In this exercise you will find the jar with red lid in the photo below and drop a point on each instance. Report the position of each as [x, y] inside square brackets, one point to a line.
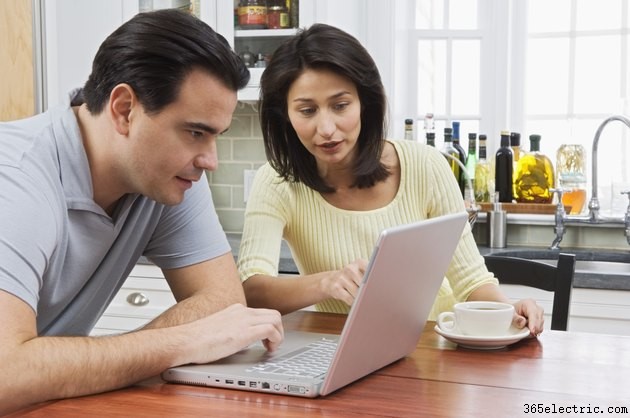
[252, 14]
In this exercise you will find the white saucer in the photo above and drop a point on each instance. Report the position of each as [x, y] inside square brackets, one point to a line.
[484, 343]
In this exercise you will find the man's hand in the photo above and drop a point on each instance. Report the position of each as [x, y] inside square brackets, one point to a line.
[229, 331]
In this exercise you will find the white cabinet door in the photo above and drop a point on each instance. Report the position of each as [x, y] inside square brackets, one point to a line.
[592, 310]
[74, 29]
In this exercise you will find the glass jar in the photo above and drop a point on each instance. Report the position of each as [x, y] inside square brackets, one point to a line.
[277, 14]
[252, 14]
[571, 174]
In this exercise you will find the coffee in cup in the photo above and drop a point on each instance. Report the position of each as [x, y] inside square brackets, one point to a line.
[478, 318]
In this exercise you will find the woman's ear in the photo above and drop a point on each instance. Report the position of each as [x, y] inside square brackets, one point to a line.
[122, 100]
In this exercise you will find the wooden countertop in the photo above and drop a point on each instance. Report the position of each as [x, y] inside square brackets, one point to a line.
[559, 369]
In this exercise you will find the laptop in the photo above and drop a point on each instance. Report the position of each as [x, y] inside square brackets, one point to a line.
[393, 302]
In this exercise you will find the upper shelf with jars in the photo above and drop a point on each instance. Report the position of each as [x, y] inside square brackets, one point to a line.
[254, 28]
[260, 26]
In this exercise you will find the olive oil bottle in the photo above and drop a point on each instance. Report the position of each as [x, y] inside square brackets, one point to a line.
[534, 176]
[482, 174]
[450, 152]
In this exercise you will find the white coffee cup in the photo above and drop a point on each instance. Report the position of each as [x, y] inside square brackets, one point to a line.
[478, 318]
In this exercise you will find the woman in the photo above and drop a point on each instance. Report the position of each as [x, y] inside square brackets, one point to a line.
[333, 183]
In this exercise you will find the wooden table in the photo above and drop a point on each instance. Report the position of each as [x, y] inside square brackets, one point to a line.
[559, 369]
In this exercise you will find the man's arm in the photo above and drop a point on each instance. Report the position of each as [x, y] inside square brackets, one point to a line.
[45, 368]
[201, 289]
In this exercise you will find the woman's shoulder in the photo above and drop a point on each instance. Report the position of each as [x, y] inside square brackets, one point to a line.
[267, 180]
[413, 152]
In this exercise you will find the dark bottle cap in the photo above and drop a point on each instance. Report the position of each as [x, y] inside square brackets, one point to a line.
[408, 121]
[455, 130]
[515, 139]
[534, 142]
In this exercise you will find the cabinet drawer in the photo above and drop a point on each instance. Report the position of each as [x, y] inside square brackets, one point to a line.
[114, 324]
[141, 300]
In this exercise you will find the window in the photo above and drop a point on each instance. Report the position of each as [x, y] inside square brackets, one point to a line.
[555, 68]
[578, 74]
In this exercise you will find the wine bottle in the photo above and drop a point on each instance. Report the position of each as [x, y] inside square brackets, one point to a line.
[450, 152]
[482, 173]
[534, 176]
[471, 162]
[409, 129]
[515, 145]
[503, 169]
[461, 155]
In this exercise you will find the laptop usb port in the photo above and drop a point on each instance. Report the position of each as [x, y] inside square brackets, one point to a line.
[253, 384]
[241, 383]
[229, 381]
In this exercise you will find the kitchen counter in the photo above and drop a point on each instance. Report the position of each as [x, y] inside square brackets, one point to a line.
[595, 269]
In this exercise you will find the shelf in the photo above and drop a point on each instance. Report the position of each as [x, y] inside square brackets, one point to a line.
[264, 33]
[532, 208]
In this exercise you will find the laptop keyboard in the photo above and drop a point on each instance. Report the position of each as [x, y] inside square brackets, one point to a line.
[310, 361]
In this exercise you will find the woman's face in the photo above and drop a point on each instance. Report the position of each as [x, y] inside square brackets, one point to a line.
[325, 111]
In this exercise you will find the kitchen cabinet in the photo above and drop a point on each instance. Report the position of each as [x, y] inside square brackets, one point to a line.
[19, 59]
[256, 41]
[69, 57]
[144, 295]
[599, 311]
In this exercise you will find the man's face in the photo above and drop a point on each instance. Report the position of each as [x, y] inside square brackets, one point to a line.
[171, 149]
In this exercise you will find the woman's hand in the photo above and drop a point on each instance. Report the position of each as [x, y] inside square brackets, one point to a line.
[526, 311]
[343, 284]
[529, 313]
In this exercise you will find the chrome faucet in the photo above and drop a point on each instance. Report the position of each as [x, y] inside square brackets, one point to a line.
[593, 216]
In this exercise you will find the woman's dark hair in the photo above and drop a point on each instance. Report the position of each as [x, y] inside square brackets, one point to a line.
[322, 47]
[153, 53]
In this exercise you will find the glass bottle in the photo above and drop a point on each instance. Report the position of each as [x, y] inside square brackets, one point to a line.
[482, 173]
[294, 13]
[471, 160]
[571, 173]
[409, 129]
[534, 176]
[461, 155]
[247, 57]
[451, 153]
[429, 129]
[429, 124]
[277, 14]
[503, 169]
[515, 145]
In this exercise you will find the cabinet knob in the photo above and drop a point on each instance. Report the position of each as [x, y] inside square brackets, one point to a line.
[137, 299]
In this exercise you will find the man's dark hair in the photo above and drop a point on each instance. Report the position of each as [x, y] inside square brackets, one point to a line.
[322, 47]
[153, 53]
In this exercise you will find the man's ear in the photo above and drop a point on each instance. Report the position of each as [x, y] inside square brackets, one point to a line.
[121, 102]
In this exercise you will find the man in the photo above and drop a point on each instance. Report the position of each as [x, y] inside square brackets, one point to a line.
[88, 188]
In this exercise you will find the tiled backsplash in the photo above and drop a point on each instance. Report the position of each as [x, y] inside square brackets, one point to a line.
[239, 149]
